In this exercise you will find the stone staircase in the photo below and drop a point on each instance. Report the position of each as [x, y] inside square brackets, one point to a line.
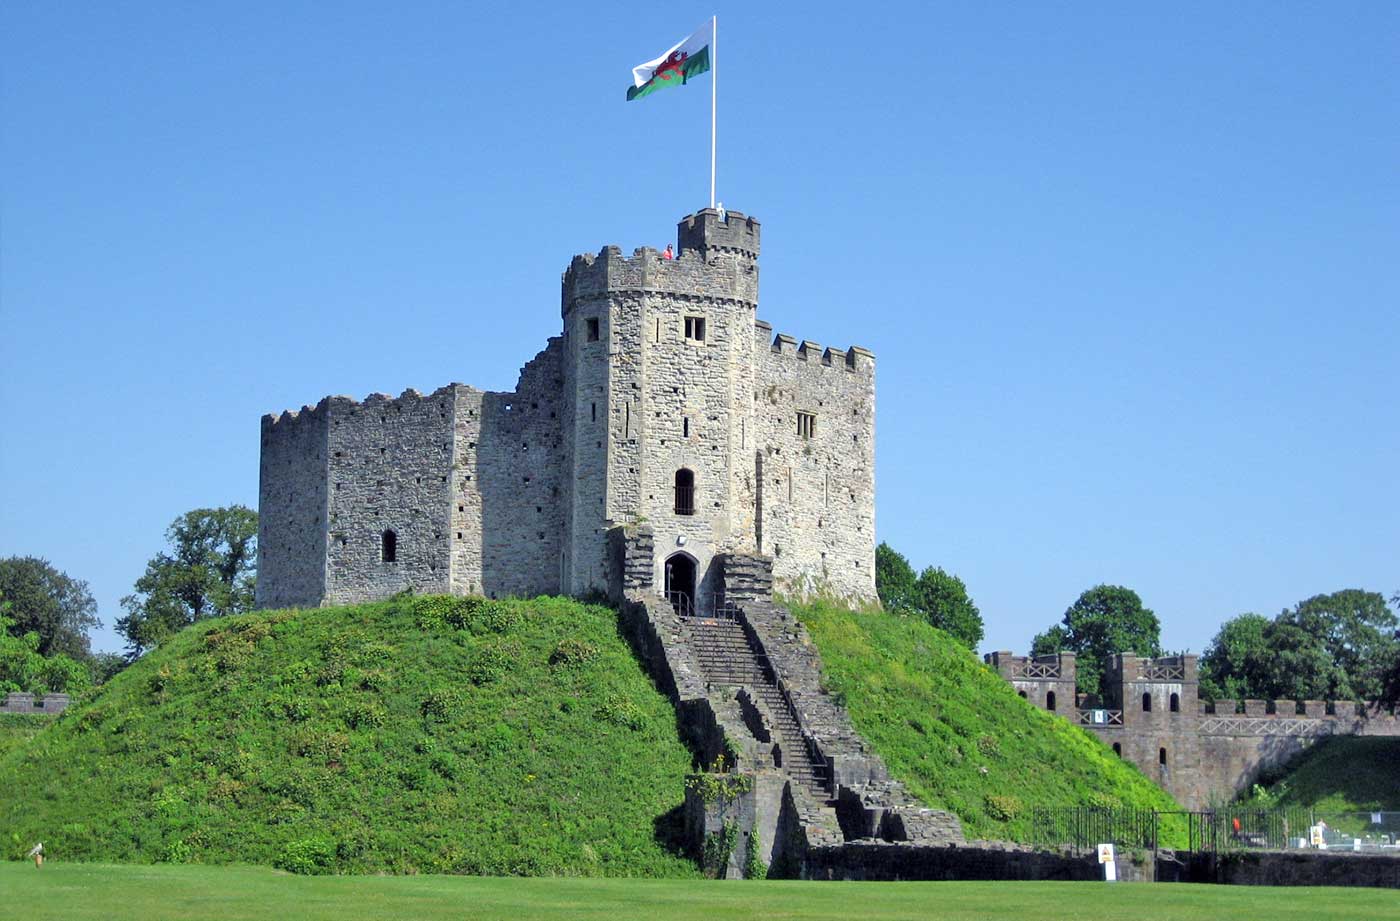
[727, 658]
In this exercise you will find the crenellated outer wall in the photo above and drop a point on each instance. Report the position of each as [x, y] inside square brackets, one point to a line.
[1201, 753]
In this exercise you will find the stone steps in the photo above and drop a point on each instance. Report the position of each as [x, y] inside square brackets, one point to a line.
[723, 651]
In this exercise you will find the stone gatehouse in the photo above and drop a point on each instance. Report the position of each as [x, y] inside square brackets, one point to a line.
[1151, 714]
[664, 400]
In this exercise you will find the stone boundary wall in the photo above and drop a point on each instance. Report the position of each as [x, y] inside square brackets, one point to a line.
[977, 860]
[29, 704]
[1281, 868]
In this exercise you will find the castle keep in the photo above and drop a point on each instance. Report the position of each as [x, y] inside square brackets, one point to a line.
[665, 401]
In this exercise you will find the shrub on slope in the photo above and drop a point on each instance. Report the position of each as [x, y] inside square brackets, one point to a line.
[414, 735]
[956, 733]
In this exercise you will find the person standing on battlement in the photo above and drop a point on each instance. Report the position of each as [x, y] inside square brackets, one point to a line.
[669, 253]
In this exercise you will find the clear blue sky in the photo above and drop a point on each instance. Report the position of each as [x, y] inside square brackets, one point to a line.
[1132, 276]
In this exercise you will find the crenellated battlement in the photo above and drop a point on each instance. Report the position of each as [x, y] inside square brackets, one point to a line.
[854, 358]
[715, 260]
[707, 232]
[1199, 751]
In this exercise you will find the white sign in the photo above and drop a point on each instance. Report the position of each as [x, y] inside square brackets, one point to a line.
[1100, 717]
[1110, 868]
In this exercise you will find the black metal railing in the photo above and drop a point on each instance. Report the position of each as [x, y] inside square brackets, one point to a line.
[685, 500]
[682, 602]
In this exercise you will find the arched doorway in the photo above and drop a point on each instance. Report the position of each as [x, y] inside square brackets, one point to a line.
[680, 583]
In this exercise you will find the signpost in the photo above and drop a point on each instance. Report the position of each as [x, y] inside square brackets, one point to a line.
[1110, 868]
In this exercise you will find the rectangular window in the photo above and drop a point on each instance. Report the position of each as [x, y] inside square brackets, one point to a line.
[806, 425]
[695, 328]
[592, 329]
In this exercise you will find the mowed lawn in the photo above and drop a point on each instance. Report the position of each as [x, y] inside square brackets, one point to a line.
[73, 892]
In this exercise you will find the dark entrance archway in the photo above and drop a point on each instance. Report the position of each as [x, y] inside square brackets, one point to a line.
[680, 583]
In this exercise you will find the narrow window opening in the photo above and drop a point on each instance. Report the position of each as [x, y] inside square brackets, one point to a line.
[1162, 757]
[592, 329]
[685, 492]
[594, 410]
[685, 428]
[695, 328]
[1118, 749]
[1147, 703]
[389, 547]
[806, 425]
[1176, 703]
[1050, 700]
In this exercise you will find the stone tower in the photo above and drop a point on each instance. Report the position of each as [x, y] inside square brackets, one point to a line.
[664, 401]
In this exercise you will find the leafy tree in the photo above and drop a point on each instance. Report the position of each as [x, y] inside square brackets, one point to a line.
[209, 571]
[1357, 630]
[24, 668]
[50, 604]
[1340, 646]
[1390, 684]
[1105, 620]
[1236, 661]
[943, 599]
[939, 597]
[895, 581]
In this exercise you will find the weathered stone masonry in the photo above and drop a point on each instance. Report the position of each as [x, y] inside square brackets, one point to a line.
[1199, 752]
[662, 371]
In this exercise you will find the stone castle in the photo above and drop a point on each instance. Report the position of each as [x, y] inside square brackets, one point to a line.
[668, 450]
[664, 401]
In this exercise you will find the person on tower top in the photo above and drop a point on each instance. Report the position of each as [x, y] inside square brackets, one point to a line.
[668, 254]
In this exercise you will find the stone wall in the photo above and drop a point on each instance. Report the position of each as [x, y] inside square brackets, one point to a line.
[1282, 868]
[292, 509]
[977, 860]
[28, 704]
[816, 494]
[1201, 753]
[390, 464]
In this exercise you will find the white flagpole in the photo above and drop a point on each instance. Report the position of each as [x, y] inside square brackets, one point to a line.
[714, 80]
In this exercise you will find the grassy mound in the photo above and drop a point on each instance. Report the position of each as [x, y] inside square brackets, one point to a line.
[17, 728]
[957, 734]
[1341, 774]
[414, 735]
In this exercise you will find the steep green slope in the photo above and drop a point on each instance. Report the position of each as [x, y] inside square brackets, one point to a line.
[956, 733]
[1342, 774]
[16, 729]
[414, 735]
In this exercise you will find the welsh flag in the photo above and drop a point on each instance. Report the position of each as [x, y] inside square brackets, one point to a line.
[687, 58]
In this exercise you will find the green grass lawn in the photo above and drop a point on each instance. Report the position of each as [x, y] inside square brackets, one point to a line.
[74, 892]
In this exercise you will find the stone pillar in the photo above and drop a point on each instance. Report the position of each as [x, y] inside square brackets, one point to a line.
[747, 577]
[631, 554]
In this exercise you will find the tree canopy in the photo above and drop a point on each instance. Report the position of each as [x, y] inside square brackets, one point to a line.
[1104, 621]
[1340, 646]
[24, 668]
[50, 604]
[937, 596]
[208, 571]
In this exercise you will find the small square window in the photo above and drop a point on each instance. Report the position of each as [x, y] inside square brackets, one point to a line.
[592, 329]
[806, 425]
[695, 328]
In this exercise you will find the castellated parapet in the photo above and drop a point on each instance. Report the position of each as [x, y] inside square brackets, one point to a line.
[664, 400]
[1150, 712]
